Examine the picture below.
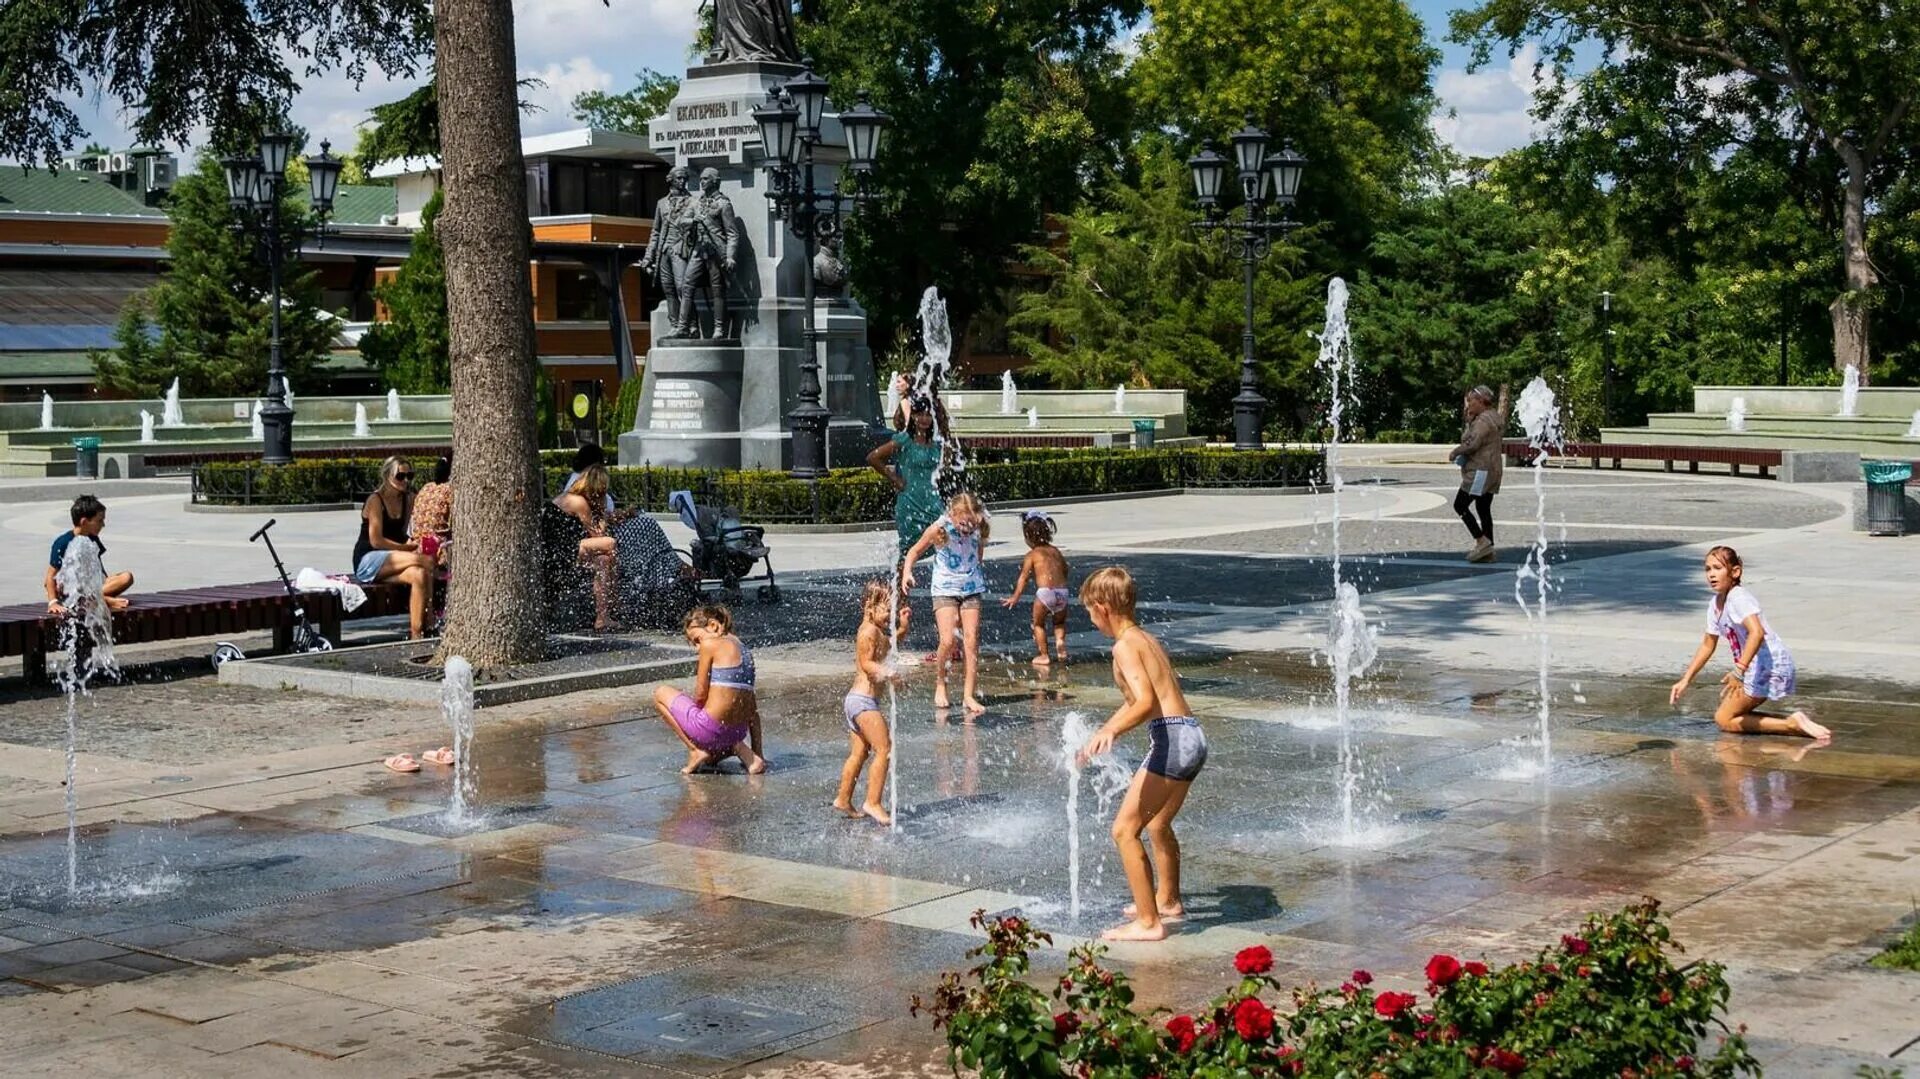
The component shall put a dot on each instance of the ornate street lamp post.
(789, 133)
(1268, 182)
(254, 187)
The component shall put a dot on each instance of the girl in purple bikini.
(721, 717)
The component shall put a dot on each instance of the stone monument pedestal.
(722, 402)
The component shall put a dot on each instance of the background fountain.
(1033, 417)
(86, 635)
(360, 428)
(259, 425)
(393, 406)
(1352, 644)
(1009, 394)
(1850, 391)
(1913, 431)
(1736, 413)
(146, 426)
(1540, 417)
(456, 703)
(46, 411)
(170, 415)
(893, 394)
(1120, 400)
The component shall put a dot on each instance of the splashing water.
(360, 428)
(1352, 644)
(1850, 391)
(1540, 416)
(86, 635)
(1009, 394)
(1120, 400)
(1108, 781)
(286, 386)
(1736, 415)
(259, 424)
(1033, 417)
(393, 406)
(170, 414)
(936, 337)
(46, 411)
(893, 393)
(146, 426)
(456, 703)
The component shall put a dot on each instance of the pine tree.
(212, 306)
(410, 348)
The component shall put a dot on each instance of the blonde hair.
(968, 502)
(1112, 587)
(708, 614)
(876, 593)
(592, 486)
(388, 467)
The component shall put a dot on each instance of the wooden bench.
(28, 631)
(1520, 452)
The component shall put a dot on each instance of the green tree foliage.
(408, 127)
(176, 65)
(630, 110)
(999, 112)
(1842, 76)
(410, 348)
(1349, 84)
(212, 308)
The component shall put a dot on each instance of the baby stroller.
(724, 551)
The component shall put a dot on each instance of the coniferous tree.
(410, 348)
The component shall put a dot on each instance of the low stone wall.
(1819, 466)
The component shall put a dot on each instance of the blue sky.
(577, 45)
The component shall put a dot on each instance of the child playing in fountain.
(721, 717)
(89, 517)
(1762, 666)
(867, 732)
(959, 586)
(1177, 749)
(1048, 568)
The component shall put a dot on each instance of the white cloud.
(1484, 113)
(559, 84)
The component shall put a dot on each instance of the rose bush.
(1607, 1001)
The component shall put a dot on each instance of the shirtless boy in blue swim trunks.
(1176, 752)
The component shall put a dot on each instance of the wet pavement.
(270, 900)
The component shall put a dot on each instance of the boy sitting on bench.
(89, 517)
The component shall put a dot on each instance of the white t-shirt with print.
(1729, 622)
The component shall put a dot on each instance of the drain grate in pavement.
(713, 1027)
(493, 818)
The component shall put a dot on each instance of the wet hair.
(588, 455)
(1037, 529)
(1111, 587)
(875, 592)
(1729, 557)
(969, 502)
(708, 614)
(87, 507)
(443, 470)
(1484, 394)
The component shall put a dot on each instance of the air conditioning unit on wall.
(160, 173)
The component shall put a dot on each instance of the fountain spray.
(456, 703)
(86, 635)
(1540, 416)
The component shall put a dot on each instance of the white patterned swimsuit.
(1770, 676)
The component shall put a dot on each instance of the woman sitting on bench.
(586, 501)
(383, 552)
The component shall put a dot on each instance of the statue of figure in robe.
(754, 30)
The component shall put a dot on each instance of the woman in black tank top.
(383, 552)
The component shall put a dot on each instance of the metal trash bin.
(1143, 434)
(1887, 496)
(86, 457)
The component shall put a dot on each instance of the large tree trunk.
(1849, 309)
(496, 614)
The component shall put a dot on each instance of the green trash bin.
(1887, 496)
(86, 457)
(1143, 434)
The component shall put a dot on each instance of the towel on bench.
(312, 580)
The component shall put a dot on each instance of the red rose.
(1666, 997)
(1443, 970)
(1348, 988)
(1180, 1027)
(1685, 1063)
(1064, 1026)
(1390, 1005)
(1254, 960)
(1252, 1020)
(1583, 970)
(1475, 968)
(1575, 945)
(1505, 1060)
(1361, 977)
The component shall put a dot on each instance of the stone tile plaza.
(257, 895)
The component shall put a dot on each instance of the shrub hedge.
(845, 496)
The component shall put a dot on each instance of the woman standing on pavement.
(1481, 460)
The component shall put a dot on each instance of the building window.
(569, 191)
(577, 295)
